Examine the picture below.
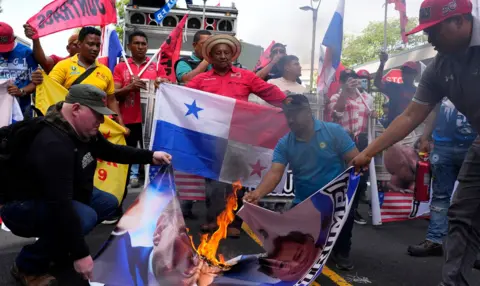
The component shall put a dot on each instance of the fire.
(209, 244)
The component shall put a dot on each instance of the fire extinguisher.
(423, 175)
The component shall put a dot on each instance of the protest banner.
(109, 177)
(60, 15)
(151, 246)
(214, 136)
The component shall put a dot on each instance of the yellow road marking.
(337, 279)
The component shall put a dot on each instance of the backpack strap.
(83, 76)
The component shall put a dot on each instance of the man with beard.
(59, 204)
(454, 73)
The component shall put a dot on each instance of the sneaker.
(359, 219)
(33, 280)
(426, 248)
(477, 265)
(135, 183)
(341, 262)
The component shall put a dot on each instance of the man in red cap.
(16, 64)
(454, 73)
(399, 94)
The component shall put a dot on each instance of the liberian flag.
(214, 136)
(401, 7)
(111, 47)
(10, 111)
(333, 40)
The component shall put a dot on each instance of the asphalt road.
(379, 254)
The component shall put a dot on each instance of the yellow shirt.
(67, 71)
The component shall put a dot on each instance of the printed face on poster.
(151, 244)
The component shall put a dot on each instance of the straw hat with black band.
(231, 41)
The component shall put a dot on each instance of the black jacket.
(60, 167)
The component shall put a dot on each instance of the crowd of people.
(65, 206)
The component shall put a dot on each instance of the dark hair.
(285, 61)
(278, 45)
(135, 34)
(347, 73)
(197, 35)
(88, 31)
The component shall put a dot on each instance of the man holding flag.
(227, 80)
(59, 203)
(127, 91)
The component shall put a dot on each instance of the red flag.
(62, 15)
(401, 7)
(170, 50)
(265, 57)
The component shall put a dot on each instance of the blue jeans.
(32, 219)
(446, 162)
(134, 171)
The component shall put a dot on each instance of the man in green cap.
(58, 203)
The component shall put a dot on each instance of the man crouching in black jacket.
(59, 204)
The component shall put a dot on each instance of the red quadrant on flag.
(257, 125)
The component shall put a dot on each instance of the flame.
(209, 244)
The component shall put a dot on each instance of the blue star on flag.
(193, 109)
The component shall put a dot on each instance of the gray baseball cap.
(91, 96)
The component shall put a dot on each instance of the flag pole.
(385, 27)
(149, 62)
(204, 12)
(376, 212)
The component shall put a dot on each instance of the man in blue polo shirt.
(316, 152)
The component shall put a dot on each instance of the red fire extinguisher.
(423, 175)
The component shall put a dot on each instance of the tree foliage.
(121, 17)
(366, 46)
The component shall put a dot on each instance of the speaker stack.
(218, 19)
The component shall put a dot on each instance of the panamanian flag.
(214, 136)
(10, 111)
(333, 40)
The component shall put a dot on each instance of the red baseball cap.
(411, 65)
(363, 73)
(7, 39)
(433, 12)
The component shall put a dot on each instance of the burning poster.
(152, 246)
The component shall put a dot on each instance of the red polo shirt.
(237, 83)
(130, 108)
